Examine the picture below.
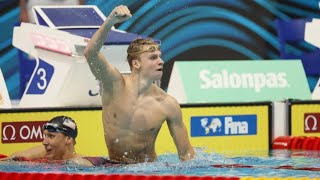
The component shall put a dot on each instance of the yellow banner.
(225, 144)
(305, 118)
(90, 140)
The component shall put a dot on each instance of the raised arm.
(99, 66)
(178, 130)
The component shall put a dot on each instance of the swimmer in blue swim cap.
(57, 146)
(134, 108)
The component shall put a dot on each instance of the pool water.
(300, 163)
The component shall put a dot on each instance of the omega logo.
(4, 133)
(311, 122)
(15, 132)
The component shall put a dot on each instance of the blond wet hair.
(136, 48)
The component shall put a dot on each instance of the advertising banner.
(238, 81)
(222, 128)
(304, 118)
(225, 128)
(22, 129)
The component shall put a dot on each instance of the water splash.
(201, 165)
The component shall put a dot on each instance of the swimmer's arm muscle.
(178, 130)
(99, 66)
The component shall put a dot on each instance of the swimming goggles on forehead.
(151, 48)
(53, 128)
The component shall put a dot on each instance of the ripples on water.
(201, 165)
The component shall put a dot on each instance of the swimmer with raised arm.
(133, 107)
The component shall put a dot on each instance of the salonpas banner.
(238, 81)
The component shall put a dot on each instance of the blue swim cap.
(62, 124)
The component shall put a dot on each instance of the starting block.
(62, 76)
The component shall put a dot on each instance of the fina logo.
(214, 125)
(223, 125)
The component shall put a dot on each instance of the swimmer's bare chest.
(134, 116)
(131, 127)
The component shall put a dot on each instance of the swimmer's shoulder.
(164, 97)
(79, 160)
(158, 93)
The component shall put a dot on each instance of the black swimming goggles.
(54, 128)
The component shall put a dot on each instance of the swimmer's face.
(55, 144)
(151, 63)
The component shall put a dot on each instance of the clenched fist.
(120, 14)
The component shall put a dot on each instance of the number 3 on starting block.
(41, 78)
(45, 85)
